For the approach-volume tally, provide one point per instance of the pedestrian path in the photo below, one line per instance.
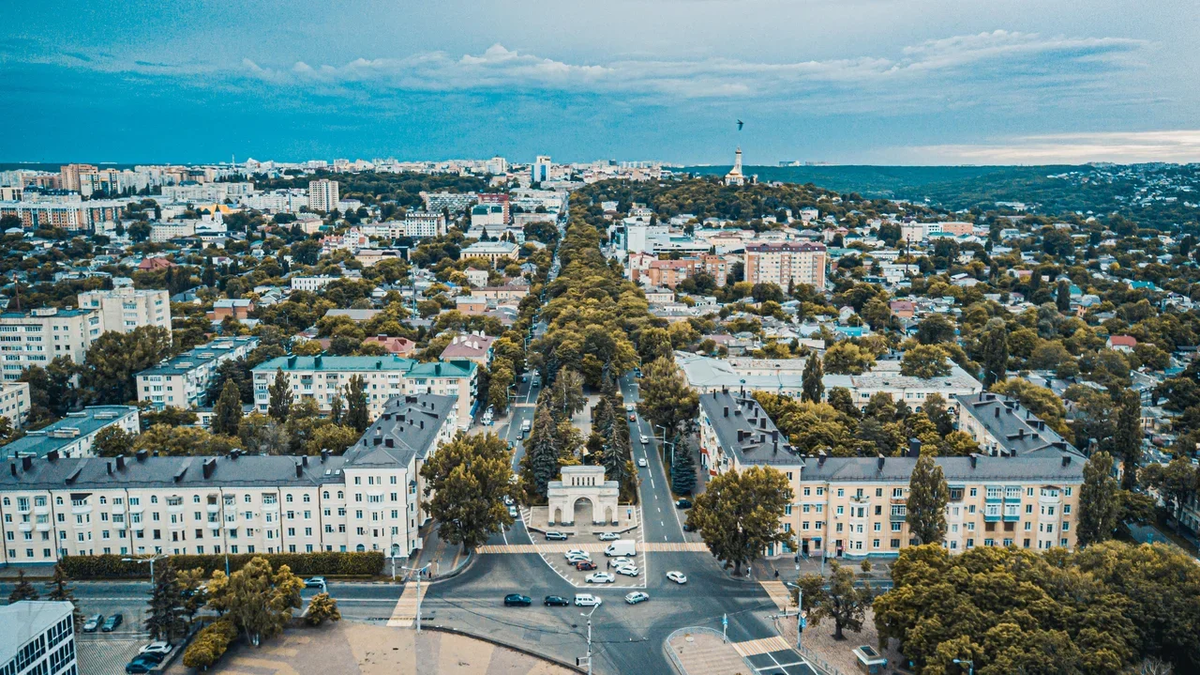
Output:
(590, 547)
(405, 611)
(761, 646)
(779, 593)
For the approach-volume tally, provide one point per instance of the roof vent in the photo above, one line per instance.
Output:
(120, 462)
(142, 455)
(26, 463)
(974, 460)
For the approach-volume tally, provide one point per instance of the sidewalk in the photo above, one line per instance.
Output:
(442, 558)
(702, 652)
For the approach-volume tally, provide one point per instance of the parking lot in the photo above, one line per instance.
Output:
(108, 652)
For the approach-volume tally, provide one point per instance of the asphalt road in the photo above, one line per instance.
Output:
(663, 522)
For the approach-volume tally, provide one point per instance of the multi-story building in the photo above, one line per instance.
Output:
(14, 402)
(73, 435)
(183, 381)
(485, 216)
(311, 283)
(70, 175)
(39, 638)
(1004, 428)
(323, 195)
(424, 224)
(540, 171)
(454, 202)
(38, 337)
(206, 192)
(856, 506)
(123, 309)
(321, 378)
(786, 263)
(495, 252)
(498, 198)
(73, 216)
(369, 499)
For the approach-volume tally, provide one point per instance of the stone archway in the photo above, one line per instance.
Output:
(583, 511)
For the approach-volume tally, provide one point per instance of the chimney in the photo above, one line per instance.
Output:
(299, 470)
(377, 440)
(997, 411)
(52, 456)
(726, 411)
(879, 463)
(13, 467)
(1066, 460)
(120, 462)
(389, 442)
(821, 459)
(142, 455)
(210, 465)
(324, 455)
(914, 447)
(26, 463)
(775, 436)
(304, 460)
(762, 423)
(1021, 434)
(422, 424)
(974, 459)
(291, 362)
(108, 466)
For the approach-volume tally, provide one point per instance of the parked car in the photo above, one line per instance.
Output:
(644, 439)
(554, 535)
(512, 511)
(627, 570)
(555, 601)
(111, 623)
(683, 503)
(315, 582)
(584, 565)
(141, 664)
(677, 576)
(688, 527)
(92, 623)
(577, 553)
(586, 600)
(517, 600)
(621, 561)
(609, 536)
(636, 597)
(600, 578)
(157, 647)
(641, 461)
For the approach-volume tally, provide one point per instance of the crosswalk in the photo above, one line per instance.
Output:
(780, 594)
(405, 611)
(761, 646)
(653, 547)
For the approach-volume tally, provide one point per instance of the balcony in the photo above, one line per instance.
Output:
(274, 508)
(136, 508)
(25, 527)
(81, 508)
(42, 510)
(118, 508)
(175, 508)
(43, 527)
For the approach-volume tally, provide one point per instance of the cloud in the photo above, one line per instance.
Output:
(1180, 145)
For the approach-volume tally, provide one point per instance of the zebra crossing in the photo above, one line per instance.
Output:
(405, 611)
(761, 646)
(652, 547)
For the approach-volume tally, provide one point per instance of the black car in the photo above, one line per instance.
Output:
(688, 527)
(683, 504)
(555, 601)
(144, 663)
(517, 600)
(111, 623)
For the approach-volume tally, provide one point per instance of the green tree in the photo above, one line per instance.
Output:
(935, 329)
(566, 394)
(1175, 482)
(113, 441)
(925, 361)
(358, 415)
(1099, 501)
(262, 435)
(543, 456)
(1062, 297)
(837, 599)
(323, 607)
(928, 495)
(502, 379)
(1127, 440)
(166, 619)
(280, 393)
(813, 385)
(666, 398)
(683, 469)
(842, 400)
(23, 589)
(738, 515)
(183, 441)
(994, 348)
(257, 600)
(227, 413)
(114, 358)
(847, 358)
(935, 409)
(466, 482)
(332, 437)
(59, 591)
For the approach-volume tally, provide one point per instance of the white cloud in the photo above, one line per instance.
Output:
(1180, 145)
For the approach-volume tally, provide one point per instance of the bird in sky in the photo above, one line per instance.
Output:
(740, 123)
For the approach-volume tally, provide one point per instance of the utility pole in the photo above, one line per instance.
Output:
(420, 572)
(588, 658)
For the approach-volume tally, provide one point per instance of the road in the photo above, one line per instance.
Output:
(663, 521)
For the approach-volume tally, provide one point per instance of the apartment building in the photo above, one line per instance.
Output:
(320, 378)
(72, 216)
(855, 506)
(424, 224)
(70, 175)
(73, 435)
(492, 251)
(500, 199)
(488, 216)
(14, 402)
(39, 638)
(123, 309)
(183, 381)
(1003, 427)
(454, 202)
(39, 336)
(368, 499)
(311, 283)
(786, 263)
(323, 195)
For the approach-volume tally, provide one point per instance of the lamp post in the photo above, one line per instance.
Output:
(151, 560)
(665, 443)
(968, 663)
(588, 658)
(420, 571)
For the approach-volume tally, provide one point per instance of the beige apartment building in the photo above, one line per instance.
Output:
(855, 507)
(37, 337)
(14, 402)
(123, 309)
(369, 499)
(323, 195)
(786, 263)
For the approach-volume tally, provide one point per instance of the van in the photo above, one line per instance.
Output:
(621, 547)
(526, 426)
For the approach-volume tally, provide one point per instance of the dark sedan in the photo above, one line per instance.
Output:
(517, 600)
(555, 601)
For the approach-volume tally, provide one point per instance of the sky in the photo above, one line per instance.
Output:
(839, 81)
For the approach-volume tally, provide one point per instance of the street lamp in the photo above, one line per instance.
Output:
(589, 639)
(420, 572)
(151, 560)
(969, 663)
(664, 442)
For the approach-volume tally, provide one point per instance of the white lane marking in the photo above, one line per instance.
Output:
(652, 485)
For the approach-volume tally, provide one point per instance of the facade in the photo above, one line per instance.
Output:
(540, 171)
(424, 224)
(885, 378)
(72, 436)
(39, 638)
(38, 337)
(231, 308)
(14, 402)
(123, 309)
(311, 283)
(583, 483)
(492, 251)
(455, 202)
(855, 506)
(487, 215)
(786, 264)
(183, 381)
(322, 377)
(368, 499)
(323, 195)
(75, 216)
(70, 175)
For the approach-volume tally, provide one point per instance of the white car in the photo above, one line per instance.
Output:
(642, 461)
(636, 597)
(628, 570)
(615, 562)
(578, 559)
(677, 576)
(609, 536)
(576, 553)
(644, 439)
(600, 578)
(586, 600)
(159, 647)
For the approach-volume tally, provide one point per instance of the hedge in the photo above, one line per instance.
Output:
(210, 644)
(330, 563)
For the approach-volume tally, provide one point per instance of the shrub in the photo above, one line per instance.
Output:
(209, 645)
(327, 563)
(321, 608)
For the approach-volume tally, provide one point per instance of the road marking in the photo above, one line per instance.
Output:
(652, 485)
(779, 593)
(652, 547)
(405, 611)
(761, 646)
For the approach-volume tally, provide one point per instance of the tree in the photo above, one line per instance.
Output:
(738, 516)
(227, 413)
(256, 599)
(666, 398)
(566, 395)
(337, 408)
(994, 347)
(183, 441)
(842, 400)
(839, 599)
(925, 361)
(935, 409)
(166, 619)
(262, 435)
(847, 358)
(935, 329)
(23, 590)
(683, 469)
(501, 380)
(1062, 297)
(358, 415)
(59, 591)
(191, 589)
(1127, 441)
(813, 386)
(280, 393)
(1099, 501)
(928, 495)
(335, 438)
(139, 231)
(1175, 482)
(321, 608)
(542, 457)
(113, 441)
(114, 358)
(466, 482)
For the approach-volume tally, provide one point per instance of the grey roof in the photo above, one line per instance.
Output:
(703, 372)
(744, 430)
(200, 355)
(23, 621)
(67, 430)
(1066, 467)
(407, 428)
(1018, 430)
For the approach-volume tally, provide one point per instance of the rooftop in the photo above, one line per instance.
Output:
(1019, 431)
(407, 428)
(391, 363)
(202, 355)
(67, 430)
(24, 621)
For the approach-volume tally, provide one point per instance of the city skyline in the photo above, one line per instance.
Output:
(867, 82)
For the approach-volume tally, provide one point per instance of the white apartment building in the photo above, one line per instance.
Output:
(38, 639)
(320, 378)
(14, 402)
(311, 283)
(424, 224)
(276, 201)
(540, 171)
(183, 381)
(73, 435)
(369, 499)
(36, 338)
(123, 309)
(206, 192)
(786, 264)
(323, 195)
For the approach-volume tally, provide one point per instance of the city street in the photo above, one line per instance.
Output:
(663, 521)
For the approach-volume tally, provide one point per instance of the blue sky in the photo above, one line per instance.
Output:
(845, 81)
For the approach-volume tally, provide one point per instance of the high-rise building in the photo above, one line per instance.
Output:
(72, 216)
(786, 264)
(39, 638)
(38, 337)
(424, 224)
(323, 195)
(70, 175)
(123, 309)
(541, 169)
